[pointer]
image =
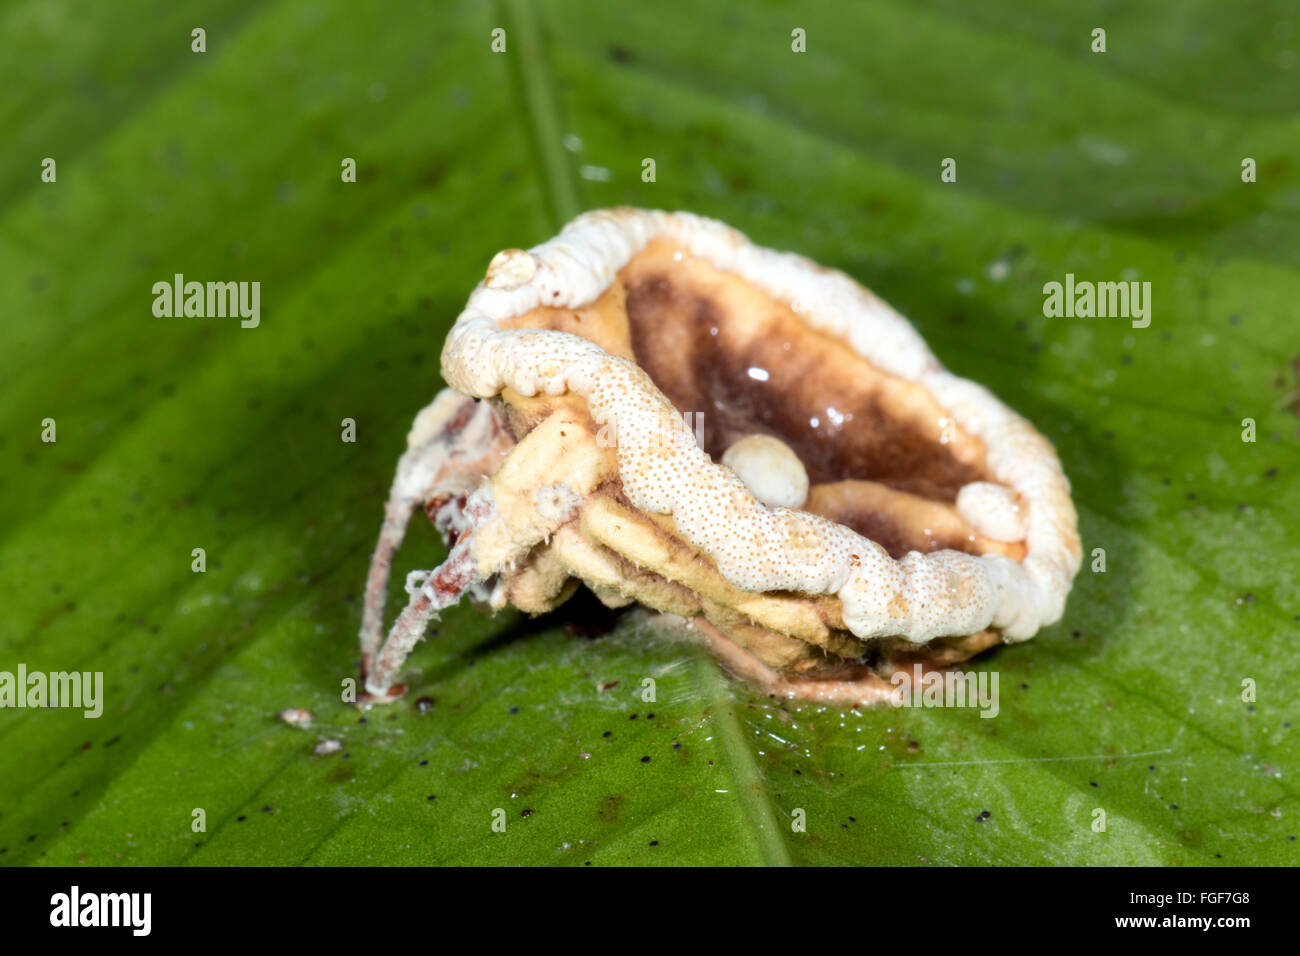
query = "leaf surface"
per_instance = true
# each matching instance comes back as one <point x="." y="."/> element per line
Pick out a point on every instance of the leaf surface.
<point x="176" y="434"/>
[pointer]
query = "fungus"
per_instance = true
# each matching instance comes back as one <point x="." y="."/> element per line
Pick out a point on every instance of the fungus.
<point x="842" y="505"/>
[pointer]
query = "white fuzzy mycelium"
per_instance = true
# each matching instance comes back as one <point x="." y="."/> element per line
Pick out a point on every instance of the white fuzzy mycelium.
<point x="756" y="547"/>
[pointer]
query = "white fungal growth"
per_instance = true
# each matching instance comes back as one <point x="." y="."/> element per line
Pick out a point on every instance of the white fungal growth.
<point x="556" y="503"/>
<point x="993" y="511"/>
<point x="295" y="716"/>
<point x="510" y="269"/>
<point x="770" y="470"/>
<point x="757" y="548"/>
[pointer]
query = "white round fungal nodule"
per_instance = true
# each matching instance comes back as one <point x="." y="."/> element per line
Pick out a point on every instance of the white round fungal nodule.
<point x="770" y="470"/>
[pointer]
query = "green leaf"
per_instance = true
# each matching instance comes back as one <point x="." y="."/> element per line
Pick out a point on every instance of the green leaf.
<point x="176" y="434"/>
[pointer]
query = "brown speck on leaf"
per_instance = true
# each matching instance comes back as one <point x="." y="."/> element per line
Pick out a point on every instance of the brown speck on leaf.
<point x="425" y="704"/>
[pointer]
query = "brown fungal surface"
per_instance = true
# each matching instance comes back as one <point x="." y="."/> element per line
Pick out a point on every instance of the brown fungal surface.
<point x="873" y="507"/>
